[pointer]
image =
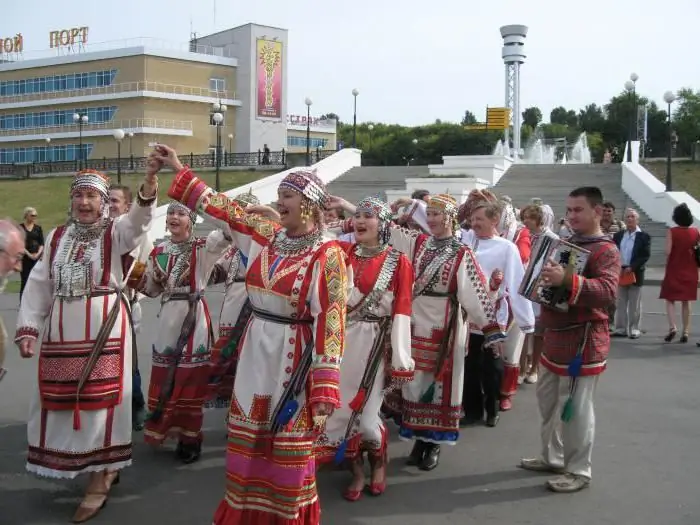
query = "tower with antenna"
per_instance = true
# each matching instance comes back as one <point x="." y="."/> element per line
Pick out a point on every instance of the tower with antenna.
<point x="513" y="54"/>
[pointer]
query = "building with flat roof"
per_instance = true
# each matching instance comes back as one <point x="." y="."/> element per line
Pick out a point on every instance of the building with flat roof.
<point x="67" y="103"/>
<point x="321" y="133"/>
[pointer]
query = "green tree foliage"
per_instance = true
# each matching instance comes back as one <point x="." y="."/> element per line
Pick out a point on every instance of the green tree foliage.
<point x="606" y="127"/>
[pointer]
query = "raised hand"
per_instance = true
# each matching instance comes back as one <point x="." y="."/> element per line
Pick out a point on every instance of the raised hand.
<point x="266" y="211"/>
<point x="168" y="156"/>
<point x="26" y="347"/>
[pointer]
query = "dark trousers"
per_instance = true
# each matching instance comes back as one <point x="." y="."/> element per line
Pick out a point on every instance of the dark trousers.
<point x="27" y="265"/>
<point x="137" y="400"/>
<point x="483" y="374"/>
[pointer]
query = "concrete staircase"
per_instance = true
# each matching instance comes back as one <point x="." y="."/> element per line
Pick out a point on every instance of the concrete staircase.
<point x="374" y="180"/>
<point x="552" y="183"/>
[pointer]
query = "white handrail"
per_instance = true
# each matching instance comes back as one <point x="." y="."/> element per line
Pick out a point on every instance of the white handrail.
<point x="112" y="124"/>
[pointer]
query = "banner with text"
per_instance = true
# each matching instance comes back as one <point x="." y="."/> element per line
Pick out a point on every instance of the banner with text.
<point x="269" y="62"/>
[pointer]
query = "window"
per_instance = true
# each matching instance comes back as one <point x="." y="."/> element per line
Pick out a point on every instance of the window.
<point x="56" y="117"/>
<point x="300" y="142"/>
<point x="58" y="83"/>
<point x="44" y="153"/>
<point x="217" y="84"/>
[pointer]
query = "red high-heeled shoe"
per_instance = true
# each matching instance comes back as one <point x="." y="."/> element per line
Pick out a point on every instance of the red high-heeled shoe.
<point x="377" y="488"/>
<point x="350" y="494"/>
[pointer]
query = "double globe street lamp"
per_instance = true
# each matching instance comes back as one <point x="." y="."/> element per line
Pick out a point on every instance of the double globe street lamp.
<point x="669" y="98"/>
<point x="630" y="87"/>
<point x="80" y="119"/>
<point x="218" y="111"/>
<point x="119" y="136"/>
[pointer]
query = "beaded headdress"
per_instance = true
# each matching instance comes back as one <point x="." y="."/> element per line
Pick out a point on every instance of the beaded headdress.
<point x="247" y="198"/>
<point x="91" y="179"/>
<point x="308" y="185"/>
<point x="176" y="206"/>
<point x="375" y="206"/>
<point x="444" y="203"/>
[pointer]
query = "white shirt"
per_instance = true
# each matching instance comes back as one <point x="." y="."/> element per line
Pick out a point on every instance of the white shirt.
<point x="627" y="246"/>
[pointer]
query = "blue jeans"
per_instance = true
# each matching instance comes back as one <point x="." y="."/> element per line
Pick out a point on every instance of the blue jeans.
<point x="137" y="400"/>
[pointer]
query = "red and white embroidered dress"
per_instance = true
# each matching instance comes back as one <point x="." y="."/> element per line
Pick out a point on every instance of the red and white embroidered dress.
<point x="68" y="296"/>
<point x="186" y="266"/>
<point x="382" y="289"/>
<point x="271" y="478"/>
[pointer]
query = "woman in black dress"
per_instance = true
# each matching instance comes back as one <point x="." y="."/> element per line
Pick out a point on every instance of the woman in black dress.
<point x="33" y="245"/>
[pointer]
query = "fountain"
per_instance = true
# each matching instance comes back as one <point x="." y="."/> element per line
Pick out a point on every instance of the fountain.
<point x="557" y="151"/>
<point x="501" y="150"/>
<point x="580" y="154"/>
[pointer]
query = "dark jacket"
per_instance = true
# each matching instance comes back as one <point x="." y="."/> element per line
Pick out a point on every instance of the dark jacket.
<point x="641" y="251"/>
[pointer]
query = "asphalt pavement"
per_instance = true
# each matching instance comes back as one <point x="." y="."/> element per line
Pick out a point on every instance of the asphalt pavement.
<point x="645" y="465"/>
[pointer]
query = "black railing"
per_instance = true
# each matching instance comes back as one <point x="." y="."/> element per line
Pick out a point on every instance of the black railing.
<point x="254" y="159"/>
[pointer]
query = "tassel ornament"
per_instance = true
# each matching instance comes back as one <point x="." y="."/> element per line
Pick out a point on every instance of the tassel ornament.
<point x="429" y="394"/>
<point x="567" y="412"/>
<point x="340" y="452"/>
<point x="358" y="401"/>
<point x="288" y="410"/>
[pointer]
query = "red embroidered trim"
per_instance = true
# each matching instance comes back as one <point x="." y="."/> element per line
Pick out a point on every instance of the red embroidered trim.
<point x="26" y="331"/>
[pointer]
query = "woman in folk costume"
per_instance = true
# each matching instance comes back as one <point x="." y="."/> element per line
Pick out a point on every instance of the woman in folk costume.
<point x="287" y="379"/>
<point x="234" y="316"/>
<point x="539" y="219"/>
<point x="484" y="370"/>
<point x="178" y="272"/>
<point x="510" y="229"/>
<point x="80" y="416"/>
<point x="448" y="281"/>
<point x="378" y="319"/>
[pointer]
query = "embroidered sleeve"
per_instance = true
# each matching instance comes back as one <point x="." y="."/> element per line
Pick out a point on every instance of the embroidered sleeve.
<point x="599" y="290"/>
<point x="339" y="227"/>
<point x="402" y="364"/>
<point x="521" y="307"/>
<point x="214" y="248"/>
<point x="131" y="228"/>
<point x="328" y="307"/>
<point x="37" y="297"/>
<point x="223" y="212"/>
<point x="473" y="295"/>
<point x="524" y="244"/>
<point x="152" y="282"/>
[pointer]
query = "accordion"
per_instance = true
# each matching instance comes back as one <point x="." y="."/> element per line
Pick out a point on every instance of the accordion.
<point x="573" y="258"/>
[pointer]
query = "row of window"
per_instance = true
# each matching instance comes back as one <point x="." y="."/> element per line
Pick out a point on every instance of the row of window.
<point x="44" y="153"/>
<point x="54" y="83"/>
<point x="300" y="142"/>
<point x="55" y="118"/>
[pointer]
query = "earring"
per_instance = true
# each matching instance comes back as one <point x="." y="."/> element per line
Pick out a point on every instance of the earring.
<point x="304" y="212"/>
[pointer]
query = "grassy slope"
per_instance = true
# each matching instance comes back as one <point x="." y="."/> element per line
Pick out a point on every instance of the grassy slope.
<point x="50" y="196"/>
<point x="685" y="175"/>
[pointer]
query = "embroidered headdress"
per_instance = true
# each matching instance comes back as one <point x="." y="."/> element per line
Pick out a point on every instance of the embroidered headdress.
<point x="175" y="206"/>
<point x="91" y="179"/>
<point x="444" y="203"/>
<point x="247" y="198"/>
<point x="375" y="206"/>
<point x="475" y="198"/>
<point x="381" y="210"/>
<point x="308" y="185"/>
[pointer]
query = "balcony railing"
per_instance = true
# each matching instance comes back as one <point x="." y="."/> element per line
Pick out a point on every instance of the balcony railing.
<point x="110" y="125"/>
<point x="124" y="87"/>
<point x="91" y="47"/>
<point x="131" y="163"/>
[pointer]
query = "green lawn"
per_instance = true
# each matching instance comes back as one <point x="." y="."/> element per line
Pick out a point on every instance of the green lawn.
<point x="50" y="195"/>
<point x="685" y="175"/>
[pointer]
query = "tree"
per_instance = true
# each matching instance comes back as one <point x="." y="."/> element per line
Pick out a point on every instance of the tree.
<point x="468" y="118"/>
<point x="331" y="116"/>
<point x="591" y="119"/>
<point x="561" y="115"/>
<point x="686" y="120"/>
<point x="532" y="117"/>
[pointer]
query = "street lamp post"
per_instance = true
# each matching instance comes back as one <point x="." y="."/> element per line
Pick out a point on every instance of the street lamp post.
<point x="131" y="150"/>
<point x="308" y="103"/>
<point x="218" y="117"/>
<point x="80" y="119"/>
<point x="119" y="136"/>
<point x="370" y="128"/>
<point x="629" y="87"/>
<point x="355" y="92"/>
<point x="230" y="147"/>
<point x="669" y="97"/>
<point x="48" y="151"/>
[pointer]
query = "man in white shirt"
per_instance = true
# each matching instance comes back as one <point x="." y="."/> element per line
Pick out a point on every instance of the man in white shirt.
<point x="11" y="253"/>
<point x="635" y="249"/>
<point x="119" y="203"/>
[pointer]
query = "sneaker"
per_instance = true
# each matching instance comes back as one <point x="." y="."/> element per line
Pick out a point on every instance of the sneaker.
<point x="138" y="419"/>
<point x="619" y="333"/>
<point x="531" y="379"/>
<point x="538" y="465"/>
<point x="521" y="380"/>
<point x="634" y="334"/>
<point x="568" y="483"/>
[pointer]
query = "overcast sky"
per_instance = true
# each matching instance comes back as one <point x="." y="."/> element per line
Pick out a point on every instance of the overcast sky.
<point x="414" y="62"/>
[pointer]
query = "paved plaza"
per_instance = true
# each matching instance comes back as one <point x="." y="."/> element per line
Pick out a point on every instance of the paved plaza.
<point x="646" y="465"/>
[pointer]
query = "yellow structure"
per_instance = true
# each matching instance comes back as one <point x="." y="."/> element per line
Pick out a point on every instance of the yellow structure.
<point x="497" y="119"/>
<point x="74" y="101"/>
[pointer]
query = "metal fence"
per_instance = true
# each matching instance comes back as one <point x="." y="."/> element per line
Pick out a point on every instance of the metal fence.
<point x="131" y="163"/>
<point x="275" y="159"/>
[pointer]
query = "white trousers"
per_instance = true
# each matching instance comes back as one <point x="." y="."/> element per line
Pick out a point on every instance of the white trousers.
<point x="629" y="308"/>
<point x="567" y="445"/>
